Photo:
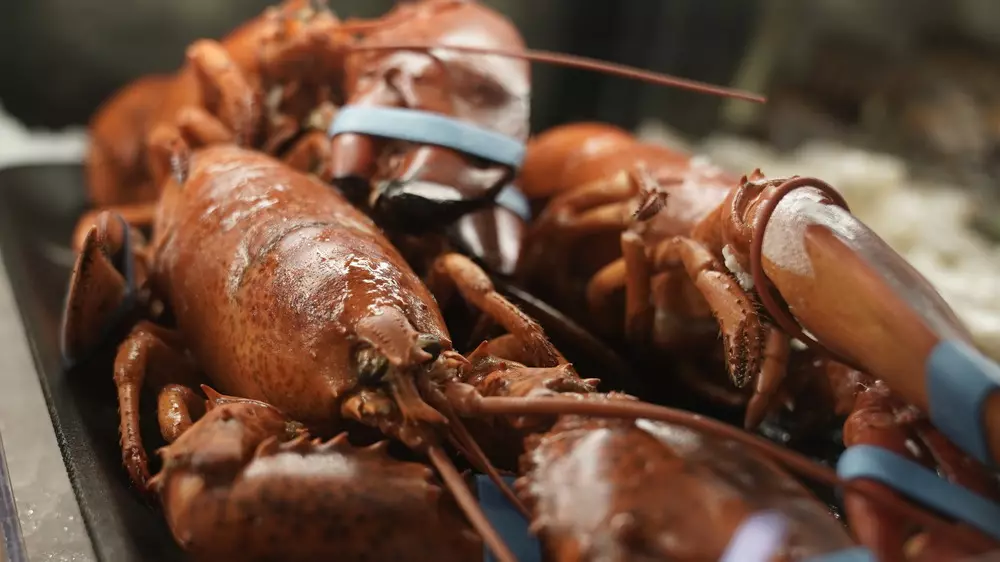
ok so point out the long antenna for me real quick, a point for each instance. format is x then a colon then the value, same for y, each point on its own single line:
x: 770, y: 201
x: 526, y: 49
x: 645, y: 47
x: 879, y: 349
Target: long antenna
x: 585, y: 63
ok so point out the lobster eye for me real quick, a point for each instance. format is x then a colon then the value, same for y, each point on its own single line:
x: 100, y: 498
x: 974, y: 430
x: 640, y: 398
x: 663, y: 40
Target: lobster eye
x: 372, y: 366
x: 431, y: 344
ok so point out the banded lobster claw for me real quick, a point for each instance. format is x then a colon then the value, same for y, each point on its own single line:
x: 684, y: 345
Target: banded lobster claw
x: 433, y: 185
x: 844, y: 290
x: 431, y: 138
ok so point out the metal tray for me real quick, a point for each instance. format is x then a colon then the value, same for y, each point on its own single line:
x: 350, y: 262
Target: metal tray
x: 39, y: 207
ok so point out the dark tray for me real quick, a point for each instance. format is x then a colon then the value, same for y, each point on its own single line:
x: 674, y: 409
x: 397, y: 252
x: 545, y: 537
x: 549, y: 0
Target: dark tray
x: 39, y: 207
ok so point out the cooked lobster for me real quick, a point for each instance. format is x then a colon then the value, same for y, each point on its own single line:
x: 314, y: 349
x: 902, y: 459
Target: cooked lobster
x: 284, y: 293
x: 362, y: 104
x: 770, y: 259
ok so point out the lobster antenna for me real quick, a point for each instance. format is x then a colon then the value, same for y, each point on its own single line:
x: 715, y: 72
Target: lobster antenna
x: 463, y: 440
x: 475, y: 454
x: 585, y: 63
x: 460, y: 491
x: 471, y: 403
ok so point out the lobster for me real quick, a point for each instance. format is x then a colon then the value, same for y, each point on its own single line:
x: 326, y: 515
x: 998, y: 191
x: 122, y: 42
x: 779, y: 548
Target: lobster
x: 277, y: 79
x: 281, y: 292
x: 382, y: 92
x: 229, y: 474
x: 767, y: 258
x: 631, y: 462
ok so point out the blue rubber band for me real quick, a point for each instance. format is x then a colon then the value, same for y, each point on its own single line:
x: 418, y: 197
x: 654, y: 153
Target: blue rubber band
x: 758, y: 538
x: 512, y: 199
x: 858, y: 554
x: 959, y: 379
x: 920, y: 484
x: 129, y: 300
x: 425, y: 127
x: 508, y: 521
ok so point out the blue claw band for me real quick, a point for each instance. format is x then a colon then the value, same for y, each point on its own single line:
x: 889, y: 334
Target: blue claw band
x: 124, y: 308
x: 859, y: 554
x: 425, y: 127
x: 757, y: 539
x: 959, y: 379
x: 921, y: 485
x: 512, y: 199
x: 508, y: 521
x: 761, y: 536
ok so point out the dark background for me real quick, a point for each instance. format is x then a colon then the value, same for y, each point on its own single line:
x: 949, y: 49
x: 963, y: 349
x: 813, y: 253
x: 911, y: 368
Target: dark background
x: 820, y: 62
x: 60, y: 58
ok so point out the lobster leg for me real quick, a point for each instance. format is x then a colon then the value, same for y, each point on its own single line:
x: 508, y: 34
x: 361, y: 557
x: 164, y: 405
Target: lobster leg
x: 633, y: 271
x: 177, y: 408
x: 150, y: 350
x: 593, y: 207
x: 452, y: 271
x: 566, y: 208
x: 228, y: 93
x: 638, y: 288
x: 742, y: 331
x: 239, y: 481
x: 777, y: 349
x: 311, y: 154
x: 600, y: 289
x: 201, y: 128
x: 509, y: 347
x: 168, y: 156
x: 497, y: 368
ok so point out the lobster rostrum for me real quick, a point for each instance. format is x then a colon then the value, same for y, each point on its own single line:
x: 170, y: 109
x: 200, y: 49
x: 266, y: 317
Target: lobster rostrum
x: 284, y: 293
x: 790, y: 246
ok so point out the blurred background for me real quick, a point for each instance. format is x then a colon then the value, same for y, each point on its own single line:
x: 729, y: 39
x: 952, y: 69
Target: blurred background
x: 895, y: 102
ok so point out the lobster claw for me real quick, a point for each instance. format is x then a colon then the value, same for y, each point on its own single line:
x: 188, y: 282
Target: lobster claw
x: 495, y: 235
x: 860, y: 300
x: 104, y: 288
x: 419, y: 206
x: 890, y: 446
